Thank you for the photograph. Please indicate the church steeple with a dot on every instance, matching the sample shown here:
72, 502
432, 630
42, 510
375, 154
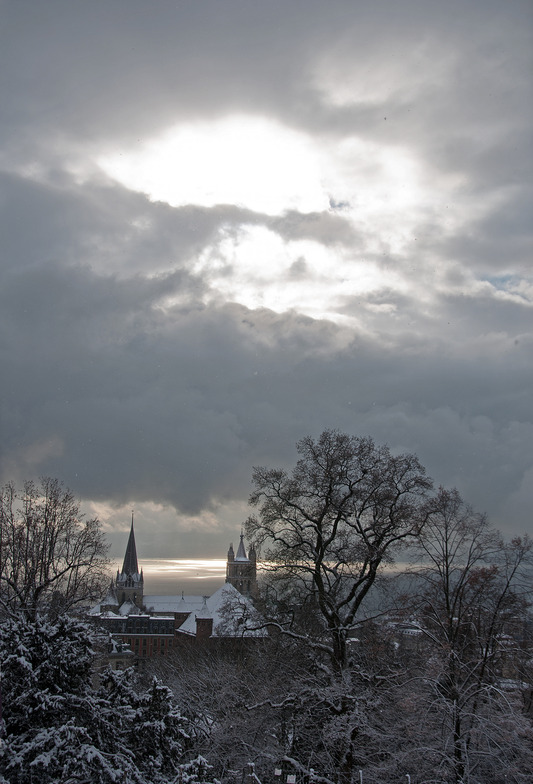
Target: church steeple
130, 565
130, 582
241, 552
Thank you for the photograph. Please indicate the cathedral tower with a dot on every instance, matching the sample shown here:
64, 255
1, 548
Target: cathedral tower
130, 582
241, 570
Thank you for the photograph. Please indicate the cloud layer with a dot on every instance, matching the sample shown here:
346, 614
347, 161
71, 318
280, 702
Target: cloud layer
230, 225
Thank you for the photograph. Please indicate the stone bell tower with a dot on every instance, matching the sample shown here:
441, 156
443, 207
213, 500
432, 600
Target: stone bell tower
241, 570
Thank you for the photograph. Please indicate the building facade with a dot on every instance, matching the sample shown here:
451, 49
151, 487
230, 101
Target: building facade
153, 625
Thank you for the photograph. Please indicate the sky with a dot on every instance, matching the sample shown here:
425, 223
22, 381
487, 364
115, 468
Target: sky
228, 225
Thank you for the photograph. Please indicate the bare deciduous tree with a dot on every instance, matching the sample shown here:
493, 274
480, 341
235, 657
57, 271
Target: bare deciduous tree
474, 601
51, 558
335, 520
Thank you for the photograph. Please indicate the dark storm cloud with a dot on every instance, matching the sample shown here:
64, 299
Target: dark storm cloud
126, 374
177, 406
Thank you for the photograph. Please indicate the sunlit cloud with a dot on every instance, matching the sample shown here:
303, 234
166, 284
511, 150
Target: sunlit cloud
260, 270
383, 192
172, 576
266, 167
248, 161
199, 568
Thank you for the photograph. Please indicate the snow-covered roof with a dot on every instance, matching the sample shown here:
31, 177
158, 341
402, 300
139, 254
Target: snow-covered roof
156, 604
111, 597
117, 647
229, 610
128, 607
172, 604
204, 611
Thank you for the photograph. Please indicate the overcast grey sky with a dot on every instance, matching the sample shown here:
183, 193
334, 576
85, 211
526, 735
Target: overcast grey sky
228, 225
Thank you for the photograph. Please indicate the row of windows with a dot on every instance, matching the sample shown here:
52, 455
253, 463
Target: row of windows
144, 626
144, 646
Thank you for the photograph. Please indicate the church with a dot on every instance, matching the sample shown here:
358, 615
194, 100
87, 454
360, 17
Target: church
153, 625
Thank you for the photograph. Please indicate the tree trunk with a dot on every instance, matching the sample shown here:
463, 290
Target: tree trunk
458, 756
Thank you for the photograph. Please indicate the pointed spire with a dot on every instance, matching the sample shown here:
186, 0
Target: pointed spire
241, 552
204, 611
130, 565
111, 598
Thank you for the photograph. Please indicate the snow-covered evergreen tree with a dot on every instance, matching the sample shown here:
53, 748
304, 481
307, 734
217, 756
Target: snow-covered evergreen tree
58, 728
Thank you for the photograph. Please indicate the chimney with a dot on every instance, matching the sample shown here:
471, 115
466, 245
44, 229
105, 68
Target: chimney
204, 622
204, 628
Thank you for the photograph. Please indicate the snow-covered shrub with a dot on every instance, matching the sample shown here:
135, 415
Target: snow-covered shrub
58, 728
